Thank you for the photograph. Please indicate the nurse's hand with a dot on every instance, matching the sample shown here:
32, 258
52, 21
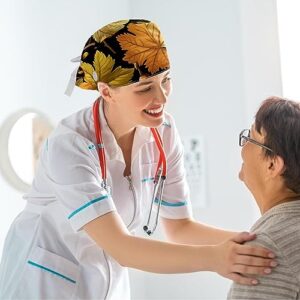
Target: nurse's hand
237, 261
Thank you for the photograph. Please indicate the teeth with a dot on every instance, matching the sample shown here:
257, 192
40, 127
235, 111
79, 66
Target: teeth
154, 111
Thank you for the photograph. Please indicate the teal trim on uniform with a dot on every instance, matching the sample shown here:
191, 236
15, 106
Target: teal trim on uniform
47, 144
166, 124
176, 204
92, 147
51, 271
148, 179
86, 205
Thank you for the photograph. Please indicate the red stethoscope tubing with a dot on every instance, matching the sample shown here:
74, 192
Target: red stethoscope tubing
162, 163
100, 145
162, 157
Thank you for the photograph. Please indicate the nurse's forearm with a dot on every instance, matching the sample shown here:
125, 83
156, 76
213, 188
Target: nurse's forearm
229, 259
160, 257
110, 233
187, 231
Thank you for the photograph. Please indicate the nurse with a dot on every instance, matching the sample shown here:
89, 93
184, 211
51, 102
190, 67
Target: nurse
95, 181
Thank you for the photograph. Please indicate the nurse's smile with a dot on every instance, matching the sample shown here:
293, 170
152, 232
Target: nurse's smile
155, 112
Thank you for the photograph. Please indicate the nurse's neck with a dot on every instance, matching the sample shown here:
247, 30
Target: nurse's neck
120, 127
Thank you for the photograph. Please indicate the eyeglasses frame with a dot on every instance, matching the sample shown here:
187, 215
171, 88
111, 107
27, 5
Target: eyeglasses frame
248, 139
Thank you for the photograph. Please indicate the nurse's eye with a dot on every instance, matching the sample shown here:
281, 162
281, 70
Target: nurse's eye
166, 80
145, 90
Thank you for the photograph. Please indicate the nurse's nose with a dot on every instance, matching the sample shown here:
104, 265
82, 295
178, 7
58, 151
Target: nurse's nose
161, 96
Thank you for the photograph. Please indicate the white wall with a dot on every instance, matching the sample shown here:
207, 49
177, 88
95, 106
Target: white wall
261, 57
288, 27
224, 57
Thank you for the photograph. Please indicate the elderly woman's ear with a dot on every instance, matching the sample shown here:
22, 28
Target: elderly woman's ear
276, 166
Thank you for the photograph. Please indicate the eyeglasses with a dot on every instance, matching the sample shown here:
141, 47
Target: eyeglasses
244, 137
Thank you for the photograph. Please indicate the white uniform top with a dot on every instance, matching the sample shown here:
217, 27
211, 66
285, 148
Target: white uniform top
47, 255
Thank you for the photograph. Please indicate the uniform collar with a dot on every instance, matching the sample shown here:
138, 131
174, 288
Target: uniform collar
113, 151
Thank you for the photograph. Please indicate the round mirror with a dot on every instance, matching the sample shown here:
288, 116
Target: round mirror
22, 136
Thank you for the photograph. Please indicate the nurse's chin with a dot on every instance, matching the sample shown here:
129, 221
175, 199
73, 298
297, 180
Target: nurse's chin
154, 122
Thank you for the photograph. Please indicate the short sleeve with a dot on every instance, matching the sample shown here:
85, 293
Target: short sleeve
176, 196
280, 284
74, 174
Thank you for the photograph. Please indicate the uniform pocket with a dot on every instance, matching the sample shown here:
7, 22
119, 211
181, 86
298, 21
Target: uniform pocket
48, 276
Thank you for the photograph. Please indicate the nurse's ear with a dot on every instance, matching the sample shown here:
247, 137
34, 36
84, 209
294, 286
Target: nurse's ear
105, 91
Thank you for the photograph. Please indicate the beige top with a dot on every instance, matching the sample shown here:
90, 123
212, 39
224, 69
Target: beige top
279, 230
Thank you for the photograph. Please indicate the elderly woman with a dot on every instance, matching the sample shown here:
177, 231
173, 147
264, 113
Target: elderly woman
271, 171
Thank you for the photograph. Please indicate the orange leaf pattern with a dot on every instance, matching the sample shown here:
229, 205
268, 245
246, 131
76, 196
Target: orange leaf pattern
144, 45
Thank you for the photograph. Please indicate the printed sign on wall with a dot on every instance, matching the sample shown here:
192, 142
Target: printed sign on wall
195, 168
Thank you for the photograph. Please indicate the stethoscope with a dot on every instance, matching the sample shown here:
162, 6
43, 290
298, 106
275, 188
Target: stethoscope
160, 175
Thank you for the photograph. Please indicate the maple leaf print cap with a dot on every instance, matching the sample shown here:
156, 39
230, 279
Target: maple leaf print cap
121, 53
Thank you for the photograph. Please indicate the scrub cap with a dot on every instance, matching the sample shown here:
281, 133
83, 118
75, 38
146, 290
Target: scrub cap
122, 53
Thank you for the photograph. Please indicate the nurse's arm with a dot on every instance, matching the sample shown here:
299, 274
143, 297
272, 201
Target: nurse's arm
227, 259
188, 231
